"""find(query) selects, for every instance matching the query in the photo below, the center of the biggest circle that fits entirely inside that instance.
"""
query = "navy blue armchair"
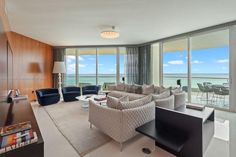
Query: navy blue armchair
(91, 89)
(70, 93)
(48, 96)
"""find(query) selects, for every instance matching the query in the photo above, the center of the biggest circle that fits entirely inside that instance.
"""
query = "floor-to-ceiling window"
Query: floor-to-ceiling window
(210, 68)
(201, 63)
(70, 61)
(94, 66)
(87, 66)
(107, 65)
(175, 61)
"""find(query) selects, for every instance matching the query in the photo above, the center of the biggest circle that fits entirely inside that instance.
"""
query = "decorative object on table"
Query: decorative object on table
(17, 92)
(16, 136)
(59, 68)
(123, 79)
(195, 106)
(100, 99)
(179, 83)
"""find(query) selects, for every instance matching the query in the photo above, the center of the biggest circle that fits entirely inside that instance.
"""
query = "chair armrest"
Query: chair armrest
(135, 117)
(106, 119)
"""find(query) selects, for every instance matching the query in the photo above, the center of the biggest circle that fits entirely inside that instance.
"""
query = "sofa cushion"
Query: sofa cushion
(161, 96)
(137, 89)
(111, 87)
(116, 94)
(166, 102)
(148, 89)
(163, 89)
(113, 102)
(120, 87)
(136, 103)
(129, 88)
(157, 89)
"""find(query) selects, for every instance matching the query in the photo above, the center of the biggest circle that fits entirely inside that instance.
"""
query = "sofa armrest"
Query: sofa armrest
(106, 119)
(135, 117)
(166, 102)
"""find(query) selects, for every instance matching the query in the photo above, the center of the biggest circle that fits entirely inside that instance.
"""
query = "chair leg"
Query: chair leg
(91, 126)
(121, 147)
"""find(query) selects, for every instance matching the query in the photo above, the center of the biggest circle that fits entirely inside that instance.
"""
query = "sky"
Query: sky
(87, 64)
(209, 61)
(212, 60)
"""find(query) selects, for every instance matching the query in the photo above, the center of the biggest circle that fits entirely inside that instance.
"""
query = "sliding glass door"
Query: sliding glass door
(210, 69)
(87, 66)
(175, 61)
(201, 63)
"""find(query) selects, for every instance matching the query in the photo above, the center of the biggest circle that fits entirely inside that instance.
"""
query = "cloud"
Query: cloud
(197, 62)
(165, 65)
(223, 61)
(176, 62)
(82, 65)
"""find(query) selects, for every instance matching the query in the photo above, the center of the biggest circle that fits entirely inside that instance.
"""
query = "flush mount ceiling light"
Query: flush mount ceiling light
(110, 33)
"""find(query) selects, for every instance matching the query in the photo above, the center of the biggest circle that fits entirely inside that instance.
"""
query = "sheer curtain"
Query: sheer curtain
(58, 55)
(132, 65)
(138, 65)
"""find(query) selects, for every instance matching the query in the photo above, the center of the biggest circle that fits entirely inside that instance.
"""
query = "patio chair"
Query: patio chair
(204, 89)
(220, 92)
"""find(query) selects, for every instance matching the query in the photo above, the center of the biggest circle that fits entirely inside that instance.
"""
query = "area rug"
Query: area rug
(72, 121)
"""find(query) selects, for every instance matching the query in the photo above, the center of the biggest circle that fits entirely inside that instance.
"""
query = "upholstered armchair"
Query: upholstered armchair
(70, 93)
(91, 89)
(48, 96)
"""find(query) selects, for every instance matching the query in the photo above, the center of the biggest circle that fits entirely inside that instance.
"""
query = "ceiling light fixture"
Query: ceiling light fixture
(110, 33)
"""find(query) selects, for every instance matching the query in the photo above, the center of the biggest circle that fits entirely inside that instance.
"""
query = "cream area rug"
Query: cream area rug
(72, 121)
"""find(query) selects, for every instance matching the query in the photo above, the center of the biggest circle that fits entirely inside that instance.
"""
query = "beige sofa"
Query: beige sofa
(120, 125)
(171, 102)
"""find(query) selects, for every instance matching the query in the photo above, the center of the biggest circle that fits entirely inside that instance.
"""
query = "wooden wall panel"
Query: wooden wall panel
(32, 64)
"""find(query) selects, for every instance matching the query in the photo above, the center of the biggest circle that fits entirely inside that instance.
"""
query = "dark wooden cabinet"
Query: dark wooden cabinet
(19, 112)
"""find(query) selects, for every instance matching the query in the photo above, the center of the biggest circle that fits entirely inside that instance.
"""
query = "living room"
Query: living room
(117, 78)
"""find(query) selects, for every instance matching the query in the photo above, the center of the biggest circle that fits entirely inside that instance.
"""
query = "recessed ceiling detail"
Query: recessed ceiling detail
(76, 22)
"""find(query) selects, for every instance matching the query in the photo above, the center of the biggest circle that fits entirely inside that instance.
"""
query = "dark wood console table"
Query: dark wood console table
(19, 112)
(182, 132)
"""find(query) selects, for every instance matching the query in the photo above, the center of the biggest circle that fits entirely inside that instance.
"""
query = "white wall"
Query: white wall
(155, 64)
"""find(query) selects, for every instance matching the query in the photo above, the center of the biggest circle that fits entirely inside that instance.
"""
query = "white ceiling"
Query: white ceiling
(78, 22)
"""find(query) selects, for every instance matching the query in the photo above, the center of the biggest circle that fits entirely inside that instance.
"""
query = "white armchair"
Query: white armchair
(120, 125)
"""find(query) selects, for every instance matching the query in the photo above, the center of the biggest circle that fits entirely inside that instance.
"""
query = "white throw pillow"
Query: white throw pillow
(136, 103)
(113, 102)
(148, 89)
(163, 95)
(120, 87)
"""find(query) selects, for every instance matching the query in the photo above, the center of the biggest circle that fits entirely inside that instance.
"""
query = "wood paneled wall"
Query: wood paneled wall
(32, 60)
(32, 64)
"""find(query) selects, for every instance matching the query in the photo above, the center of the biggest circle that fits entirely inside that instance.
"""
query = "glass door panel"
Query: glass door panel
(175, 63)
(107, 66)
(210, 69)
(70, 61)
(87, 66)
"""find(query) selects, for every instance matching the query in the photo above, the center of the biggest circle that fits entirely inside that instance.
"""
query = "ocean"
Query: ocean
(168, 79)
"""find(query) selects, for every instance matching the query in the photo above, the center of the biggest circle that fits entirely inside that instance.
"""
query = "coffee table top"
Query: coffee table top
(86, 98)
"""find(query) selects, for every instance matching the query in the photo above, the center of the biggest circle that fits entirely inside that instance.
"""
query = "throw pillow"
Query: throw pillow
(175, 90)
(113, 102)
(111, 87)
(148, 89)
(163, 89)
(129, 88)
(161, 96)
(120, 87)
(157, 89)
(136, 103)
(137, 89)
